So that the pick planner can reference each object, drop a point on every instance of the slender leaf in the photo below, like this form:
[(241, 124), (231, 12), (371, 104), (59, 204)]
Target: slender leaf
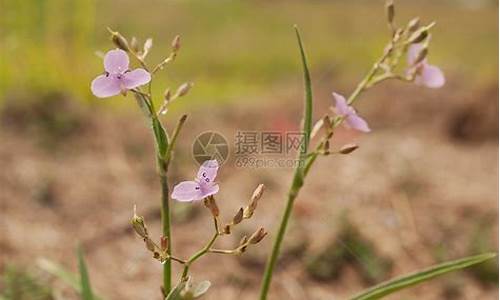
[(160, 137), (308, 105), (60, 272), (86, 290), (397, 284)]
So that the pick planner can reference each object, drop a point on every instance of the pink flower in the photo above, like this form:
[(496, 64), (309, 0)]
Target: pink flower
[(351, 118), (118, 78), (427, 75), (202, 186)]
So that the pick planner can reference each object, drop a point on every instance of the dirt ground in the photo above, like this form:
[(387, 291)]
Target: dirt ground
[(422, 188)]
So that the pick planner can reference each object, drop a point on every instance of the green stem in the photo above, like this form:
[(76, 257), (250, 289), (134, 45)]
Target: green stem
[(165, 224), (298, 178), (198, 254), (308, 160)]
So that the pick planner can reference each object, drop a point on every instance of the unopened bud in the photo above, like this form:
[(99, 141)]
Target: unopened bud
[(257, 194), (164, 243), (418, 36), (389, 9), (167, 95), (257, 236), (238, 217), (119, 40), (212, 206), (346, 149), (148, 44), (183, 89), (413, 24), (134, 45), (139, 226), (227, 229), (176, 43)]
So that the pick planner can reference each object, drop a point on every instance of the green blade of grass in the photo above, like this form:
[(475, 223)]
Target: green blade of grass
[(399, 283), (86, 290), (308, 105), (60, 272)]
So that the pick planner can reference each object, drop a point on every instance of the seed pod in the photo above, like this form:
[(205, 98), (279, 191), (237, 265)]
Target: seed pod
[(238, 217), (389, 9), (139, 226), (418, 36), (413, 24), (134, 45), (119, 40), (346, 149), (148, 44), (183, 89), (176, 43), (257, 194), (257, 236)]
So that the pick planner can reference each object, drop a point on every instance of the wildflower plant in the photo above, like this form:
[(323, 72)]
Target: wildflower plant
[(409, 43), (118, 79)]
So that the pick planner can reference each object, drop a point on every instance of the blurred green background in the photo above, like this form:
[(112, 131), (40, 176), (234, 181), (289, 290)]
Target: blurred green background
[(230, 49)]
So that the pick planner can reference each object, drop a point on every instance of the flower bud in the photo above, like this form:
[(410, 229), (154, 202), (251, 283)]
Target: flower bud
[(176, 43), (238, 217), (183, 89), (119, 40), (134, 45), (326, 147), (227, 229), (212, 206), (346, 149), (257, 236), (139, 226), (167, 95), (257, 194), (389, 9), (413, 24), (148, 44)]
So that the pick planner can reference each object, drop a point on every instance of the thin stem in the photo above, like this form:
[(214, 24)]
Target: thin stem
[(165, 223), (198, 254)]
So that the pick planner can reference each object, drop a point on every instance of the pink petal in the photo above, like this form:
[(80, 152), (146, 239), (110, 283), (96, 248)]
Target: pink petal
[(341, 106), (209, 190), (116, 61), (188, 191), (356, 122), (105, 86), (431, 76), (135, 78), (208, 171)]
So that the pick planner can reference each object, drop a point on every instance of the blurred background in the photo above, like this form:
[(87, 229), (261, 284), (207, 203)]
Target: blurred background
[(422, 188)]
